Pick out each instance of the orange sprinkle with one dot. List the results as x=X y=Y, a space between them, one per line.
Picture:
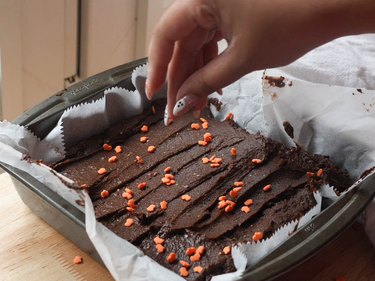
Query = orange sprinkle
x=131 y=203
x=319 y=173
x=245 y=209
x=107 y=147
x=129 y=222
x=159 y=248
x=222 y=204
x=151 y=208
x=196 y=257
x=257 y=236
x=222 y=198
x=163 y=205
x=130 y=209
x=165 y=180
x=233 y=193
x=151 y=149
x=153 y=109
x=237 y=189
x=267 y=187
x=202 y=143
x=195 y=126
x=171 y=182
x=233 y=151
x=205 y=125
x=144 y=129
x=203 y=120
x=238 y=183
x=167 y=170
x=226 y=250
x=249 y=202
x=102 y=171
x=229 y=116
x=169 y=176
x=215 y=165
x=186 y=197
x=205 y=160
x=118 y=149
x=309 y=174
x=127 y=195
x=212 y=157
x=256 y=161
x=171 y=257
x=77 y=260
x=139 y=159
x=143 y=139
x=142 y=185
x=229 y=208
x=184 y=272
x=185 y=264
x=158 y=240
x=191 y=251
x=231 y=203
x=207 y=137
x=128 y=190
x=112 y=159
x=104 y=194
x=217 y=160
x=198 y=269
x=201 y=250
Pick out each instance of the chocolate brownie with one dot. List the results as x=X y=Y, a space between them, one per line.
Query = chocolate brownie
x=184 y=194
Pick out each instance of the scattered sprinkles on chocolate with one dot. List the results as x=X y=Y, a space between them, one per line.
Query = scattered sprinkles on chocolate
x=257 y=236
x=144 y=129
x=107 y=147
x=129 y=222
x=102 y=171
x=104 y=193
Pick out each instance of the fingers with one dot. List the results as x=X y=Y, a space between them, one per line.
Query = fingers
x=216 y=74
x=187 y=57
x=181 y=67
x=176 y=24
x=208 y=53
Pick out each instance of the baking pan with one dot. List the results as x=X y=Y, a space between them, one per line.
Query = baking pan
x=70 y=221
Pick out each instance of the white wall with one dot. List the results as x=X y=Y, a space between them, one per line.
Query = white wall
x=108 y=34
x=38 y=43
x=11 y=58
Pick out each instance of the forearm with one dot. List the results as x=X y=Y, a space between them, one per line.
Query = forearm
x=329 y=19
x=284 y=30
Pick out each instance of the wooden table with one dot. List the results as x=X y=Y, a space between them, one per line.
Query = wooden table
x=32 y=250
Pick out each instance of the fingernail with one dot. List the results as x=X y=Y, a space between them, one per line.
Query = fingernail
x=184 y=105
x=147 y=90
x=167 y=120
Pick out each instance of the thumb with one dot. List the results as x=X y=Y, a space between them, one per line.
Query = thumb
x=218 y=73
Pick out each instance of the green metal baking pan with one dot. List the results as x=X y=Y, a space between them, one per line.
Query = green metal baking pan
x=70 y=221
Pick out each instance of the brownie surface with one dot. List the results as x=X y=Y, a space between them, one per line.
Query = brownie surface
x=207 y=189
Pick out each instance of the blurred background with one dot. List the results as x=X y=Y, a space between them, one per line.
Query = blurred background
x=45 y=46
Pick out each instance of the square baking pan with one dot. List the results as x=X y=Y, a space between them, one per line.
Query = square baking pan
x=70 y=221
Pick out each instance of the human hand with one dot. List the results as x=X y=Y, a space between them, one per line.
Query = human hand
x=260 y=34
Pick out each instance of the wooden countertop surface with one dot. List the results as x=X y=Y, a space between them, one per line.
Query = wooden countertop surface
x=31 y=250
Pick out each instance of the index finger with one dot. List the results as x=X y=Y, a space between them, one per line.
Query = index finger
x=177 y=23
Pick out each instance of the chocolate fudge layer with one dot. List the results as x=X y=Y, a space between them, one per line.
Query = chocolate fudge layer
x=186 y=193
